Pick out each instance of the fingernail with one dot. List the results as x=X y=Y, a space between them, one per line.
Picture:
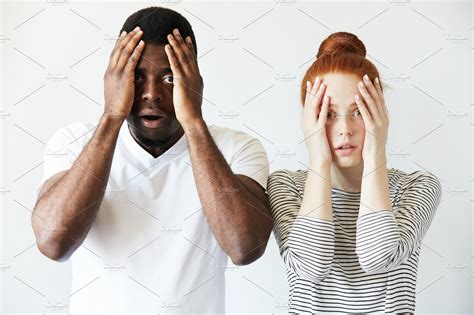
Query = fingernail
x=136 y=29
x=123 y=34
x=377 y=80
x=361 y=84
x=366 y=77
x=357 y=97
x=141 y=42
x=176 y=31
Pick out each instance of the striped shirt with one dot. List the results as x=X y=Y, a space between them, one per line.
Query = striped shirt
x=351 y=264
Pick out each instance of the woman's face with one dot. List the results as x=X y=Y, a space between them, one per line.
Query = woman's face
x=344 y=122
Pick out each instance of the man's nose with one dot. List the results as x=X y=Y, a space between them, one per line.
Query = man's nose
x=152 y=91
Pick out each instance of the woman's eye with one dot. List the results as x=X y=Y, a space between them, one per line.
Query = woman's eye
x=168 y=79
x=357 y=113
x=330 y=114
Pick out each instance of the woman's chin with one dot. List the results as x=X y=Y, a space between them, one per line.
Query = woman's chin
x=347 y=161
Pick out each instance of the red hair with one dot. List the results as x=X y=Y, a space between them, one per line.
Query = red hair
x=340 y=52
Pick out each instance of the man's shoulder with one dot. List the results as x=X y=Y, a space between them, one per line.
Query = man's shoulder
x=75 y=132
x=225 y=135
x=217 y=130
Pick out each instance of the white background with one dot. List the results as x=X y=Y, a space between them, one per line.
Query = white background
x=252 y=56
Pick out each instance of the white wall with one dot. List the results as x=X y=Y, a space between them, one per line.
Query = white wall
x=252 y=58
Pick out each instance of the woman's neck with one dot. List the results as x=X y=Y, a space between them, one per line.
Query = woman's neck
x=348 y=178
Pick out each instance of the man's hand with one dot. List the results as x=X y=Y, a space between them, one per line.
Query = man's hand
x=119 y=86
x=188 y=83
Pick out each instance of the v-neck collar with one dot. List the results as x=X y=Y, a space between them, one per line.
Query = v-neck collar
x=175 y=150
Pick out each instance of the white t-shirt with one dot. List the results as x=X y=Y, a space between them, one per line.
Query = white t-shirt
x=150 y=248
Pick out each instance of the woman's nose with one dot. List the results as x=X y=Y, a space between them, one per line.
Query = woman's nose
x=345 y=125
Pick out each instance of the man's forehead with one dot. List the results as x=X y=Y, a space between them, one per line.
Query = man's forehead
x=153 y=58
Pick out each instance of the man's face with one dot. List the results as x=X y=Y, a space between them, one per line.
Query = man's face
x=152 y=119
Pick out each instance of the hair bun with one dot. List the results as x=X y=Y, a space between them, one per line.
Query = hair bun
x=342 y=42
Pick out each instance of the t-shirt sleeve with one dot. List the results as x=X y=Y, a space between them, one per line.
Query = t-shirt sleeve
x=59 y=155
x=250 y=159
x=387 y=239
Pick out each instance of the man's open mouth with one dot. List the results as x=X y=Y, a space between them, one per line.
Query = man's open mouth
x=151 y=121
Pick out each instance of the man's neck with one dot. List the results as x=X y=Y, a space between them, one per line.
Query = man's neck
x=157 y=148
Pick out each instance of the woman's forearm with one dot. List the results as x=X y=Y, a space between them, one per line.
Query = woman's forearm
x=316 y=201
x=375 y=194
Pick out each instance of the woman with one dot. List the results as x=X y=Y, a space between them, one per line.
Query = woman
x=349 y=229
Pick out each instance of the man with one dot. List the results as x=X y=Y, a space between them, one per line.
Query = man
x=180 y=198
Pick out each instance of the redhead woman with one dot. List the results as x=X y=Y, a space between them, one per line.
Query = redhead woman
x=348 y=227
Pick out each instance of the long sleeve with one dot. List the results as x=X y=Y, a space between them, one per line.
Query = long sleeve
x=387 y=239
x=306 y=244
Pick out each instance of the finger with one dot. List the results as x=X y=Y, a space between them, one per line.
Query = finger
x=378 y=87
x=318 y=98
x=133 y=60
x=323 y=114
x=308 y=90
x=123 y=42
x=372 y=90
x=189 y=42
x=309 y=107
x=113 y=55
x=183 y=45
x=372 y=107
x=315 y=88
x=177 y=46
x=128 y=48
x=173 y=60
x=363 y=109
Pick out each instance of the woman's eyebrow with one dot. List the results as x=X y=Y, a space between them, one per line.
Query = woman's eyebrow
x=350 y=105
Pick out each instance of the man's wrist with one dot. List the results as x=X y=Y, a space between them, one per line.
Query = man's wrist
x=194 y=125
x=112 y=120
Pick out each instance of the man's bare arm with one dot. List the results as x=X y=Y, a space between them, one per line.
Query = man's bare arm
x=69 y=201
x=236 y=206
x=67 y=207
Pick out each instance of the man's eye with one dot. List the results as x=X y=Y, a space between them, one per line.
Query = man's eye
x=168 y=79
x=357 y=113
x=330 y=115
x=137 y=78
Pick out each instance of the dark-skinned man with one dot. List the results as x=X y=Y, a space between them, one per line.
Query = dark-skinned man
x=150 y=202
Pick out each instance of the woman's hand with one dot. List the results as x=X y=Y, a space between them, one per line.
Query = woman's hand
x=314 y=123
x=376 y=119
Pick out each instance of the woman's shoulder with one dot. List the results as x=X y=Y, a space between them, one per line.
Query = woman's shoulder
x=289 y=178
x=403 y=180
x=296 y=177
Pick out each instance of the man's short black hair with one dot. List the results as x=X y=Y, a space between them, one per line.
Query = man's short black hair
x=156 y=23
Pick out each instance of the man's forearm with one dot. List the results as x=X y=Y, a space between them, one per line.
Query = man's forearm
x=64 y=213
x=240 y=222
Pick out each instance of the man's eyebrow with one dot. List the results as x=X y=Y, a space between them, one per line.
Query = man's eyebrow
x=144 y=70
